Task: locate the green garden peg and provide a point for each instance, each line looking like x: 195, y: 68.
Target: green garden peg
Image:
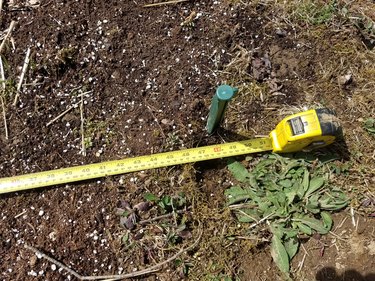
x: 223, y: 95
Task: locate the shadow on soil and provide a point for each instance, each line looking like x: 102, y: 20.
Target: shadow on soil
x: 330, y: 274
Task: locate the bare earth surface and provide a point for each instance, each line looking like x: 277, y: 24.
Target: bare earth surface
x: 146, y: 77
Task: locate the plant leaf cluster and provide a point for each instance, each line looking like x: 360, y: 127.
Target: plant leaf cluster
x: 295, y: 198
x: 369, y: 125
x: 166, y: 203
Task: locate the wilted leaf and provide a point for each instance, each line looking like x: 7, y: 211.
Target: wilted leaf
x: 142, y: 206
x: 129, y: 221
x: 291, y: 246
x: 315, y: 184
x: 279, y: 254
x: 327, y: 220
x: 185, y: 234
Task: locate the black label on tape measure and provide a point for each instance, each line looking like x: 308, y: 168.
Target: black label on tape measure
x: 297, y: 126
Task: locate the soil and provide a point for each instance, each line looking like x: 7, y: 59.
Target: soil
x: 146, y: 77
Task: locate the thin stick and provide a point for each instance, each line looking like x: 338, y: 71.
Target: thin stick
x: 24, y: 69
x: 39, y: 254
x: 2, y: 73
x: 10, y: 29
x: 4, y: 118
x: 1, y: 5
x: 20, y: 214
x: 261, y: 220
x: 161, y: 217
x: 2, y: 99
x: 148, y: 270
x: 69, y: 108
x: 300, y: 265
x: 62, y: 113
x: 164, y: 3
x: 352, y: 216
x: 82, y: 128
x: 337, y: 236
x: 156, y: 120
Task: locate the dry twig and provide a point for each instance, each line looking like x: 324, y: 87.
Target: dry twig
x: 69, y: 108
x: 141, y: 272
x: 2, y: 99
x: 62, y: 113
x: 24, y: 69
x: 82, y: 128
x: 162, y: 217
x: 10, y: 29
x: 164, y: 3
x: 4, y: 118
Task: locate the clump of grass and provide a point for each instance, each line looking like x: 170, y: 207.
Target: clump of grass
x: 316, y: 13
x: 293, y: 196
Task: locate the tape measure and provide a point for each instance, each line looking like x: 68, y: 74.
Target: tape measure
x: 306, y: 130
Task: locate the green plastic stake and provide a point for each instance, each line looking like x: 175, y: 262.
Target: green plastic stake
x: 224, y: 94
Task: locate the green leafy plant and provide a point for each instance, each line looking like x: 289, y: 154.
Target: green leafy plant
x: 167, y: 203
x: 293, y: 195
x: 369, y: 125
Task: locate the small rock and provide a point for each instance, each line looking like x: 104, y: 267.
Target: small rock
x: 33, y: 2
x: 33, y: 260
x: 165, y: 121
x: 281, y: 32
x: 115, y: 75
x: 345, y: 79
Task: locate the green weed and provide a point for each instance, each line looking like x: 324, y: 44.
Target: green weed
x: 292, y: 195
x: 369, y: 125
x: 316, y: 13
x: 167, y: 203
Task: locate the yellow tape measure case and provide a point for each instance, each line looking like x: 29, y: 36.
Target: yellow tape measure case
x: 305, y: 131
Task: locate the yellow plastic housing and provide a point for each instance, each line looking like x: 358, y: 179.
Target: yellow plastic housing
x: 305, y: 131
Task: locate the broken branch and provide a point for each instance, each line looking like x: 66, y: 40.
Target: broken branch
x: 10, y: 29
x: 164, y: 3
x: 23, y: 72
x: 148, y: 270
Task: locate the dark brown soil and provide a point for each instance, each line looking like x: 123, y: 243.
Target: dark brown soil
x: 147, y: 76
